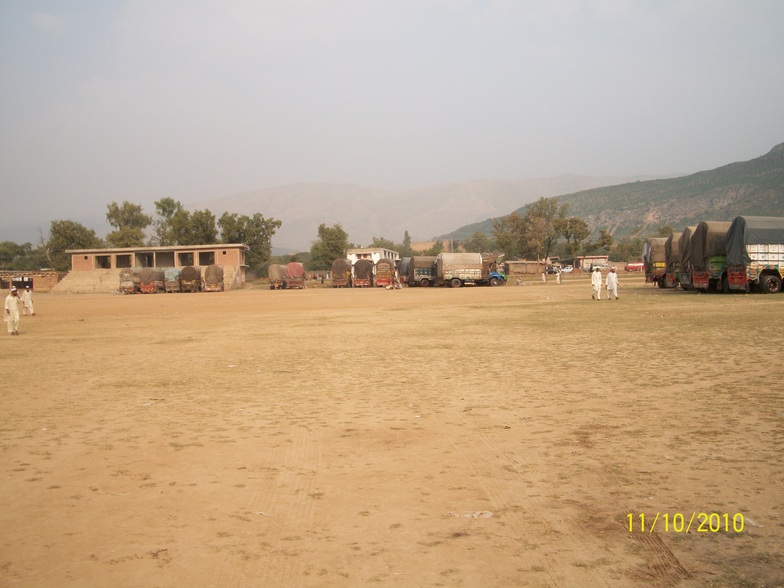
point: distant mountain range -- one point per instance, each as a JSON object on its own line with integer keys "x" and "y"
{"x": 753, "y": 188}
{"x": 368, "y": 212}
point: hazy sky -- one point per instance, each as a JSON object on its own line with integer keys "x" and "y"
{"x": 108, "y": 100}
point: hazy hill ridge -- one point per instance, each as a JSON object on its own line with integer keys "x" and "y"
{"x": 754, "y": 187}
{"x": 368, "y": 212}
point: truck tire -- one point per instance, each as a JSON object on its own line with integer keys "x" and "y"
{"x": 770, "y": 284}
{"x": 725, "y": 284}
{"x": 455, "y": 283}
{"x": 495, "y": 281}
{"x": 425, "y": 283}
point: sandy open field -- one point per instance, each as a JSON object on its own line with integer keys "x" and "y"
{"x": 423, "y": 437}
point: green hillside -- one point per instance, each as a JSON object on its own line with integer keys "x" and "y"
{"x": 753, "y": 187}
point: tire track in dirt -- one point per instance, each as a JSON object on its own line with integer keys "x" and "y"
{"x": 281, "y": 511}
{"x": 483, "y": 448}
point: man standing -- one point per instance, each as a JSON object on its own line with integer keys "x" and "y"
{"x": 612, "y": 284}
{"x": 12, "y": 311}
{"x": 27, "y": 301}
{"x": 596, "y": 283}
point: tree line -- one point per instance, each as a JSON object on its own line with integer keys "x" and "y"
{"x": 543, "y": 231}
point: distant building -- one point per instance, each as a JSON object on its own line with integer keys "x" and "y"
{"x": 584, "y": 263}
{"x": 88, "y": 265}
{"x": 371, "y": 253}
{"x": 39, "y": 281}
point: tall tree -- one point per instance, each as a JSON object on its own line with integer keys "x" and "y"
{"x": 509, "y": 235}
{"x": 66, "y": 234}
{"x": 383, "y": 243}
{"x": 166, "y": 208}
{"x": 255, "y": 231}
{"x": 541, "y": 223}
{"x": 129, "y": 222}
{"x": 478, "y": 243}
{"x": 404, "y": 249}
{"x": 575, "y": 230}
{"x": 331, "y": 244}
{"x": 202, "y": 228}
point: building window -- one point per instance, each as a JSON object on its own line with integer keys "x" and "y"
{"x": 122, "y": 261}
{"x": 206, "y": 257}
{"x": 185, "y": 258}
{"x": 103, "y": 262}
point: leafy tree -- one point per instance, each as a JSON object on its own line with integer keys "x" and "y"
{"x": 331, "y": 244}
{"x": 202, "y": 228}
{"x": 605, "y": 241}
{"x": 255, "y": 231}
{"x": 10, "y": 251}
{"x": 437, "y": 248}
{"x": 665, "y": 231}
{"x": 405, "y": 247}
{"x": 575, "y": 230}
{"x": 129, "y": 222}
{"x": 166, "y": 208}
{"x": 478, "y": 243}
{"x": 382, "y": 243}
{"x": 66, "y": 234}
{"x": 509, "y": 235}
{"x": 541, "y": 223}
{"x": 627, "y": 250}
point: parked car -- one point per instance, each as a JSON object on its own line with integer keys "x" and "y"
{"x": 567, "y": 268}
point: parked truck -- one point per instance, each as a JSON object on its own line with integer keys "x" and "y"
{"x": 655, "y": 258}
{"x": 755, "y": 254}
{"x": 130, "y": 280}
{"x": 171, "y": 277}
{"x": 384, "y": 273}
{"x": 151, "y": 280}
{"x": 277, "y": 276}
{"x": 213, "y": 278}
{"x": 422, "y": 271}
{"x": 363, "y": 273}
{"x": 672, "y": 254}
{"x": 341, "y": 273}
{"x": 684, "y": 245}
{"x": 295, "y": 275}
{"x": 190, "y": 279}
{"x": 461, "y": 269}
{"x": 709, "y": 256}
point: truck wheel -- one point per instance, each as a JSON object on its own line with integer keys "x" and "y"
{"x": 424, "y": 283}
{"x": 661, "y": 283}
{"x": 455, "y": 283}
{"x": 495, "y": 281}
{"x": 770, "y": 284}
{"x": 725, "y": 284}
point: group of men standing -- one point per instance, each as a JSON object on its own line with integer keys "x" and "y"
{"x": 611, "y": 284}
{"x": 16, "y": 305}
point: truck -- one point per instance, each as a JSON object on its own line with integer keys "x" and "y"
{"x": 755, "y": 254}
{"x": 130, "y": 280}
{"x": 655, "y": 258}
{"x": 190, "y": 279}
{"x": 151, "y": 280}
{"x": 363, "y": 273}
{"x": 276, "y": 273}
{"x": 341, "y": 273}
{"x": 460, "y": 269}
{"x": 709, "y": 256}
{"x": 384, "y": 273}
{"x": 422, "y": 271}
{"x": 171, "y": 277}
{"x": 684, "y": 244}
{"x": 672, "y": 254}
{"x": 213, "y": 278}
{"x": 295, "y": 275}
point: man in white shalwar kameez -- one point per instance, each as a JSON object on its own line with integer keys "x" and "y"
{"x": 612, "y": 284}
{"x": 27, "y": 301}
{"x": 596, "y": 283}
{"x": 11, "y": 317}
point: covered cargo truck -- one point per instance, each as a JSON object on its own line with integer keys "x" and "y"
{"x": 295, "y": 275}
{"x": 755, "y": 254}
{"x": 709, "y": 256}
{"x": 363, "y": 273}
{"x": 277, "y": 276}
{"x": 190, "y": 279}
{"x": 461, "y": 269}
{"x": 684, "y": 245}
{"x": 172, "y": 279}
{"x": 655, "y": 258}
{"x": 384, "y": 273}
{"x": 130, "y": 280}
{"x": 403, "y": 268}
{"x": 422, "y": 271}
{"x": 672, "y": 254}
{"x": 151, "y": 280}
{"x": 341, "y": 273}
{"x": 213, "y": 278}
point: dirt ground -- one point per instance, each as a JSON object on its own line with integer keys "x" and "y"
{"x": 422, "y": 437}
